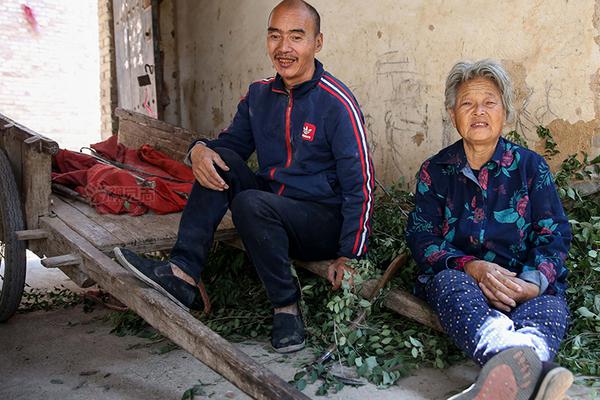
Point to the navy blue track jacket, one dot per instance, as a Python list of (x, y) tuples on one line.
[(311, 145)]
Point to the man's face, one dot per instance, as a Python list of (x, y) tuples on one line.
[(292, 44)]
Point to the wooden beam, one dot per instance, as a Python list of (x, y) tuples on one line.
[(136, 129), (411, 307), (32, 234), (29, 137), (68, 260), (171, 320), (36, 181)]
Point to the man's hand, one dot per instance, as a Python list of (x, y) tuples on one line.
[(497, 283), (335, 274), (204, 160)]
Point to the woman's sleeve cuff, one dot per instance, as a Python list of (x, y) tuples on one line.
[(537, 278)]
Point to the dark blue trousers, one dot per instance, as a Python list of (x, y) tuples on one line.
[(482, 331), (273, 228)]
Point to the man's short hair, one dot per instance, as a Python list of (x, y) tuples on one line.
[(313, 13), (315, 16)]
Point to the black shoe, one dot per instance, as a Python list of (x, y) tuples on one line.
[(554, 383), (159, 275), (287, 334)]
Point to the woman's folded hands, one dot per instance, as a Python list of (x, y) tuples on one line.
[(501, 287)]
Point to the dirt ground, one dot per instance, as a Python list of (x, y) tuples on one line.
[(69, 354)]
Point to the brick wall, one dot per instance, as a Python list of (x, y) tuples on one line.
[(49, 74), (108, 73)]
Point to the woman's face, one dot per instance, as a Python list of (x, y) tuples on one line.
[(479, 114)]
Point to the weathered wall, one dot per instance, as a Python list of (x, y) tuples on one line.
[(109, 123), (49, 69), (394, 55)]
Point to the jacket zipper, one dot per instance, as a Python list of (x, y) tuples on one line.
[(288, 136)]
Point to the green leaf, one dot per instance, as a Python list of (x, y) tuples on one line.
[(585, 313), (364, 303), (371, 362), (301, 384)]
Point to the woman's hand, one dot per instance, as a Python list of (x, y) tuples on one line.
[(204, 160), (497, 283), (527, 292)]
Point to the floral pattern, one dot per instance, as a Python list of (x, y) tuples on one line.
[(509, 214)]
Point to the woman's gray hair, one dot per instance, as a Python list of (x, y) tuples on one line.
[(491, 69)]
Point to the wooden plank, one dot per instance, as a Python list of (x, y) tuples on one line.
[(12, 147), (31, 234), (134, 51), (81, 223), (55, 246), (171, 320), (36, 181), (133, 134), (143, 234), (156, 124), (22, 133), (412, 307), (67, 260)]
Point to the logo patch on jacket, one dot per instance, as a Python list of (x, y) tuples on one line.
[(308, 131)]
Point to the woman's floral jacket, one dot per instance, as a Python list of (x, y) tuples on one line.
[(508, 213)]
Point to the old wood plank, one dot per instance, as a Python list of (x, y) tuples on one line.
[(67, 260), (115, 224), (144, 233), (157, 125), (133, 135), (31, 234), (13, 148), (171, 320), (148, 232), (412, 307), (22, 134), (79, 222), (36, 181), (122, 50)]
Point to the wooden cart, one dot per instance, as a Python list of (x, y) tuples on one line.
[(70, 235)]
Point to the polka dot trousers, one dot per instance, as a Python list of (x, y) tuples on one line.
[(482, 331)]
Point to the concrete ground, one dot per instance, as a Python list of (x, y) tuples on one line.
[(69, 354)]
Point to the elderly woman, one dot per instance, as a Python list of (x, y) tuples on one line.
[(491, 237)]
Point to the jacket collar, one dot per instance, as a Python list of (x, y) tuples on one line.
[(279, 87), (455, 154)]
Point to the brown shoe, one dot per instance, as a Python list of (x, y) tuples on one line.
[(510, 375), (554, 383)]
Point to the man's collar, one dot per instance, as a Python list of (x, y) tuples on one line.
[(278, 86), (455, 154)]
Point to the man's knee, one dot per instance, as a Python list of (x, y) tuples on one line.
[(249, 206)]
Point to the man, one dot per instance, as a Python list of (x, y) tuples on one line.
[(312, 197)]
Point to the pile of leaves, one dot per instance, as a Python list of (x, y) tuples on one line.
[(387, 347), (35, 299)]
